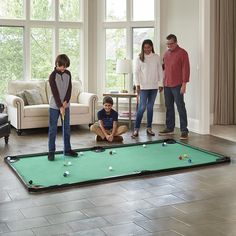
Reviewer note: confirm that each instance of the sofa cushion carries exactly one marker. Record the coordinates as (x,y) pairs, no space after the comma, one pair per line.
(16,86)
(36,110)
(76,89)
(42,110)
(76,108)
(21,94)
(33,97)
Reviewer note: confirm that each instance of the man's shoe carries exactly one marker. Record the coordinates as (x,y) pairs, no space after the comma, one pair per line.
(183,136)
(118,138)
(135,134)
(98,138)
(166,132)
(71,153)
(150,132)
(51,156)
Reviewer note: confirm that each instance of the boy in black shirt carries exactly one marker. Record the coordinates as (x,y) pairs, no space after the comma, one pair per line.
(107,128)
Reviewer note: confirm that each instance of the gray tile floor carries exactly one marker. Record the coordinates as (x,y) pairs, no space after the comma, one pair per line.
(224,131)
(192,202)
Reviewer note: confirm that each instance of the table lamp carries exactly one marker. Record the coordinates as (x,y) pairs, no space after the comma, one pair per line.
(123,66)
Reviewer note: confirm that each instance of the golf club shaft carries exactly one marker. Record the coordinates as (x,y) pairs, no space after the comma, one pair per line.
(63,135)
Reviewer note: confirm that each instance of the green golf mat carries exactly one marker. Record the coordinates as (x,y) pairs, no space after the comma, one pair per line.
(103,163)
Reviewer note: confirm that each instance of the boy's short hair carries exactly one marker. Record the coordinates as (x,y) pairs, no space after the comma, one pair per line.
(62,60)
(107,100)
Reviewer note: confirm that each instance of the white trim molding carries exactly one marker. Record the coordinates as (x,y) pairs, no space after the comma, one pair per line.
(204,68)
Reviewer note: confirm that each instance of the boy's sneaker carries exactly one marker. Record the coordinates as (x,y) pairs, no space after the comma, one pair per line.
(71,153)
(51,156)
(183,136)
(118,138)
(98,138)
(166,132)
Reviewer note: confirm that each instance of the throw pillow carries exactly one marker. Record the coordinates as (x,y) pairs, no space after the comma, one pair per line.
(33,97)
(21,94)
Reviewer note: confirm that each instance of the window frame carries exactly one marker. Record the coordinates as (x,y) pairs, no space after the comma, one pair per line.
(55,25)
(129,24)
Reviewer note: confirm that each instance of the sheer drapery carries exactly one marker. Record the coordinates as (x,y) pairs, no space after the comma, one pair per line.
(225,62)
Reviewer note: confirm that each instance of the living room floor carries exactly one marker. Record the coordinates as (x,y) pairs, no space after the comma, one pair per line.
(194,202)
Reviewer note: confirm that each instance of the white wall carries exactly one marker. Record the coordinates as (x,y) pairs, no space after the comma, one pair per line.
(180,17)
(186,19)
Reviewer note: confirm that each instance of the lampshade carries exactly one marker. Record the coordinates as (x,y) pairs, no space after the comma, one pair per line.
(123,66)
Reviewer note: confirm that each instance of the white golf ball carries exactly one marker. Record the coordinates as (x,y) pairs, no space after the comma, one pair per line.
(81,153)
(66,173)
(110,168)
(144,145)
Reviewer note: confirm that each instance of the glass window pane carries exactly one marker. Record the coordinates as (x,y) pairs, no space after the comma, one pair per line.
(69,10)
(41,9)
(11,56)
(115,49)
(41,53)
(11,9)
(143,10)
(115,10)
(69,44)
(140,34)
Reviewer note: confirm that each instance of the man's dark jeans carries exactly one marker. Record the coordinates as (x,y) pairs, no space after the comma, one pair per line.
(172,95)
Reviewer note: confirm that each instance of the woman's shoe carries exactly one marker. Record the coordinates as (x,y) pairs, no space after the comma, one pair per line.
(135,133)
(150,132)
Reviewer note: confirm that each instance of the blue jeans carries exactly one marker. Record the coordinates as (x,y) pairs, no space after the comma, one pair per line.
(172,94)
(52,132)
(147,99)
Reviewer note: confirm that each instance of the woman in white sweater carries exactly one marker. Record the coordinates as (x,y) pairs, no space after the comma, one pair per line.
(148,79)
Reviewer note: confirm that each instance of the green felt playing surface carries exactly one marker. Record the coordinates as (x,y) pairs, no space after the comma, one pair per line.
(125,160)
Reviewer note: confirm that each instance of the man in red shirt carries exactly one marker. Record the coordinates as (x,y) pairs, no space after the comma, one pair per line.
(176,75)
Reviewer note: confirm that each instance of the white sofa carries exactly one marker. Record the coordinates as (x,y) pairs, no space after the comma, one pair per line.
(82,110)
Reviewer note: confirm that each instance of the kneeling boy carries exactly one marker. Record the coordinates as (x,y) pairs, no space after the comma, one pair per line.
(107,128)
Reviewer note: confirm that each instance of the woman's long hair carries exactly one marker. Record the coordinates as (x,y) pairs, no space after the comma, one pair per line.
(150,43)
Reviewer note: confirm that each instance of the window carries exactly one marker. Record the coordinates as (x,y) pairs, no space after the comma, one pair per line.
(69,10)
(69,43)
(41,52)
(115,48)
(11,56)
(116,10)
(126,24)
(143,10)
(11,9)
(41,10)
(29,43)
